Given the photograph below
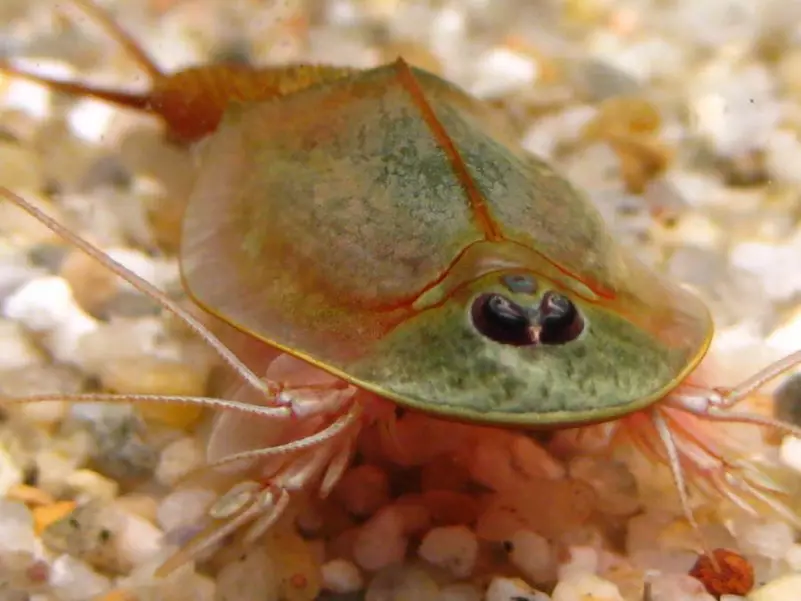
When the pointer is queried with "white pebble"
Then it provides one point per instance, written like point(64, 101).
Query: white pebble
point(74, 580)
point(380, 542)
point(764, 538)
point(137, 262)
point(16, 349)
point(252, 578)
point(46, 306)
point(734, 122)
point(790, 453)
point(582, 561)
point(183, 508)
point(178, 459)
point(512, 589)
point(454, 548)
point(502, 71)
point(16, 528)
point(768, 263)
point(677, 587)
point(10, 473)
point(586, 586)
point(784, 339)
point(784, 588)
point(532, 554)
point(89, 119)
point(793, 557)
point(136, 539)
point(341, 576)
point(34, 99)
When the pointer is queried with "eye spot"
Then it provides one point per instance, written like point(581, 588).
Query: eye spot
point(520, 282)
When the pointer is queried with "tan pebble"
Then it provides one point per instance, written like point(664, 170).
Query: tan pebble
point(149, 375)
point(92, 284)
point(789, 70)
point(166, 220)
point(19, 124)
point(20, 168)
point(178, 459)
point(118, 595)
point(584, 11)
point(415, 54)
point(142, 505)
point(30, 495)
point(45, 515)
point(93, 484)
point(782, 588)
point(296, 565)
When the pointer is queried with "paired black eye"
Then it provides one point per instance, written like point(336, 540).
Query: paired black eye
point(501, 320)
point(559, 319)
point(555, 321)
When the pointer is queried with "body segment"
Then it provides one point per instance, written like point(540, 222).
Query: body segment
point(374, 209)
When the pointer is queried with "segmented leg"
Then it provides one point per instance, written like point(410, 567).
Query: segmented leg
point(320, 413)
point(698, 453)
point(257, 505)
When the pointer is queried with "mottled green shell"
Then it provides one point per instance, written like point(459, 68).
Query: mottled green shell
point(353, 223)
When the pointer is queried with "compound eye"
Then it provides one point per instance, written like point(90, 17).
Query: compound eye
point(560, 321)
point(501, 320)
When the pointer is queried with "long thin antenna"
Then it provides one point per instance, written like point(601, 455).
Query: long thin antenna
point(145, 288)
point(120, 36)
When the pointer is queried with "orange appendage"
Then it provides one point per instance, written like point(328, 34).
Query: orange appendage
point(192, 102)
point(734, 576)
point(714, 461)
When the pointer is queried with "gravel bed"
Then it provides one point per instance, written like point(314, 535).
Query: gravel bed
point(680, 119)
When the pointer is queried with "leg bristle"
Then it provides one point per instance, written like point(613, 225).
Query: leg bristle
point(701, 454)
